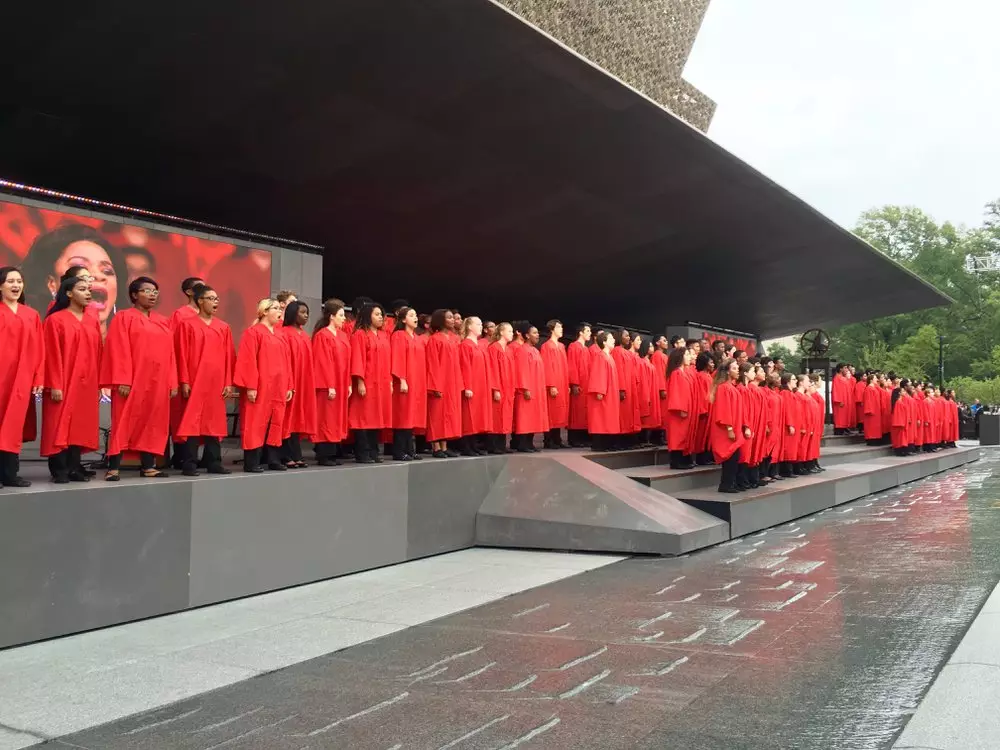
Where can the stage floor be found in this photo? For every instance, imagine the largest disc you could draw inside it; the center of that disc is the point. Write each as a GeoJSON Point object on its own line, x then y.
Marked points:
{"type": "Point", "coordinates": [822, 633]}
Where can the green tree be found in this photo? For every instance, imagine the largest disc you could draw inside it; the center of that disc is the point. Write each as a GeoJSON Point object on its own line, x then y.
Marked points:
{"type": "Point", "coordinates": [918, 356]}
{"type": "Point", "coordinates": [792, 360]}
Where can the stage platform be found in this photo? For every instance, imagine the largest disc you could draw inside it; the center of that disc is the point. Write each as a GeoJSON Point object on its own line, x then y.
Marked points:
{"type": "Point", "coordinates": [82, 556]}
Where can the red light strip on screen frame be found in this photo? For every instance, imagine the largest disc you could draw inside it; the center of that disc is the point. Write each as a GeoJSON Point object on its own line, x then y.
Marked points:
{"type": "Point", "coordinates": [56, 195]}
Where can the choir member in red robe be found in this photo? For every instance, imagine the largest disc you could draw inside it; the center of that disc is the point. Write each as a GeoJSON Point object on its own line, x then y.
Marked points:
{"type": "Point", "coordinates": [530, 412]}
{"type": "Point", "coordinates": [501, 382]}
{"type": "Point", "coordinates": [772, 426]}
{"type": "Point", "coordinates": [70, 402]}
{"type": "Point", "coordinates": [331, 348]}
{"type": "Point", "coordinates": [757, 421]}
{"type": "Point", "coordinates": [902, 418]}
{"type": "Point", "coordinates": [791, 430]}
{"type": "Point", "coordinates": [139, 367]}
{"type": "Point", "coordinates": [860, 385]}
{"type": "Point", "coordinates": [556, 384]}
{"type": "Point", "coordinates": [77, 272]}
{"type": "Point", "coordinates": [652, 419]}
{"type": "Point", "coordinates": [625, 365]}
{"type": "Point", "coordinates": [726, 431]}
{"type": "Point", "coordinates": [818, 410]}
{"type": "Point", "coordinates": [659, 360]}
{"type": "Point", "coordinates": [951, 420]}
{"type": "Point", "coordinates": [603, 395]}
{"type": "Point", "coordinates": [205, 355]}
{"type": "Point", "coordinates": [189, 310]}
{"type": "Point", "coordinates": [477, 410]}
{"type": "Point", "coordinates": [370, 406]}
{"type": "Point", "coordinates": [679, 408]}
{"type": "Point", "coordinates": [891, 383]}
{"type": "Point", "coordinates": [300, 412]}
{"type": "Point", "coordinates": [21, 371]}
{"type": "Point", "coordinates": [489, 328]}
{"type": "Point", "coordinates": [444, 386]}
{"type": "Point", "coordinates": [409, 385]}
{"type": "Point", "coordinates": [578, 362]}
{"type": "Point", "coordinates": [842, 397]}
{"type": "Point", "coordinates": [263, 376]}
{"type": "Point", "coordinates": [871, 409]}
{"type": "Point", "coordinates": [700, 386]}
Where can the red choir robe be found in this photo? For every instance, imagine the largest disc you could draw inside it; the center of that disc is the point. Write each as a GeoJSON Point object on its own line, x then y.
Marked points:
{"type": "Point", "coordinates": [652, 419]}
{"type": "Point", "coordinates": [871, 411]}
{"type": "Point", "coordinates": [790, 429]}
{"type": "Point", "coordinates": [805, 425]}
{"type": "Point", "coordinates": [901, 422]}
{"type": "Point", "coordinates": [603, 415]}
{"type": "Point", "coordinates": [331, 369]}
{"type": "Point", "coordinates": [954, 423]}
{"type": "Point", "coordinates": [556, 376]}
{"type": "Point", "coordinates": [205, 358]}
{"type": "Point", "coordinates": [726, 411]}
{"type": "Point", "coordinates": [679, 410]}
{"type": "Point", "coordinates": [484, 343]}
{"type": "Point", "coordinates": [919, 419]}
{"type": "Point", "coordinates": [625, 366]}
{"type": "Point", "coordinates": [501, 380]}
{"type": "Point", "coordinates": [72, 362]}
{"type": "Point", "coordinates": [660, 368]}
{"type": "Point", "coordinates": [774, 421]}
{"type": "Point", "coordinates": [90, 311]}
{"type": "Point", "coordinates": [371, 360]}
{"type": "Point", "coordinates": [932, 434]}
{"type": "Point", "coordinates": [409, 363]}
{"type": "Point", "coordinates": [860, 386]}
{"type": "Point", "coordinates": [842, 397]}
{"type": "Point", "coordinates": [756, 419]}
{"type": "Point", "coordinates": [477, 412]}
{"type": "Point", "coordinates": [815, 440]}
{"type": "Point", "coordinates": [263, 364]}
{"type": "Point", "coordinates": [701, 383]}
{"type": "Point", "coordinates": [886, 395]}
{"type": "Point", "coordinates": [139, 352]}
{"type": "Point", "coordinates": [645, 393]}
{"type": "Point", "coordinates": [300, 412]}
{"type": "Point", "coordinates": [530, 415]}
{"type": "Point", "coordinates": [578, 362]}
{"type": "Point", "coordinates": [444, 376]}
{"type": "Point", "coordinates": [21, 369]}
{"type": "Point", "coordinates": [177, 317]}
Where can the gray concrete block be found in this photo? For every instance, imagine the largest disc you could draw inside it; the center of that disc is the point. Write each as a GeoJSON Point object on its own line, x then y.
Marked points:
{"type": "Point", "coordinates": [312, 275]}
{"type": "Point", "coordinates": [750, 516]}
{"type": "Point", "coordinates": [981, 644]}
{"type": "Point", "coordinates": [82, 559]}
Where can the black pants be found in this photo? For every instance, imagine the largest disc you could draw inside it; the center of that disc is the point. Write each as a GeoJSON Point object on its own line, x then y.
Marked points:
{"type": "Point", "coordinates": [523, 442]}
{"type": "Point", "coordinates": [147, 461]}
{"type": "Point", "coordinates": [553, 438]}
{"type": "Point", "coordinates": [291, 448]}
{"type": "Point", "coordinates": [65, 462]}
{"type": "Point", "coordinates": [187, 452]}
{"type": "Point", "coordinates": [403, 444]}
{"type": "Point", "coordinates": [252, 457]}
{"type": "Point", "coordinates": [730, 470]}
{"type": "Point", "coordinates": [10, 465]}
{"type": "Point", "coordinates": [365, 445]}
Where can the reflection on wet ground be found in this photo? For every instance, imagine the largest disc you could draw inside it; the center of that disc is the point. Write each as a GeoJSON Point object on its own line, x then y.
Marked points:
{"type": "Point", "coordinates": [823, 633]}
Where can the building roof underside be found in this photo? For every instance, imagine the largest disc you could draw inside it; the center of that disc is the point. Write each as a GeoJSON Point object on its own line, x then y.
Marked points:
{"type": "Point", "coordinates": [440, 150]}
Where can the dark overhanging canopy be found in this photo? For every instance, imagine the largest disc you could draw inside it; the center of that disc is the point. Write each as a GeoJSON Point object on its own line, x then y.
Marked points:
{"type": "Point", "coordinates": [440, 150]}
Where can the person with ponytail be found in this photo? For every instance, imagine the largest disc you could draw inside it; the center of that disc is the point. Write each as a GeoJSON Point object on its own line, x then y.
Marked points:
{"type": "Point", "coordinates": [679, 407]}
{"type": "Point", "coordinates": [902, 418]}
{"type": "Point", "coordinates": [205, 358]}
{"type": "Point", "coordinates": [332, 382]}
{"type": "Point", "coordinates": [726, 431]}
{"type": "Point", "coordinates": [409, 385]}
{"type": "Point", "coordinates": [70, 402]}
{"type": "Point", "coordinates": [500, 369]}
{"type": "Point", "coordinates": [603, 395]}
{"type": "Point", "coordinates": [790, 429]}
{"type": "Point", "coordinates": [263, 373]}
{"type": "Point", "coordinates": [477, 413]}
{"type": "Point", "coordinates": [140, 368]}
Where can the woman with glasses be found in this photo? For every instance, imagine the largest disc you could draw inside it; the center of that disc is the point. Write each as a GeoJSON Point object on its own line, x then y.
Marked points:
{"type": "Point", "coordinates": [138, 366]}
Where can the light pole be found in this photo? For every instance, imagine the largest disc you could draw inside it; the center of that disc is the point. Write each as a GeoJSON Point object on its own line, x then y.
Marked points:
{"type": "Point", "coordinates": [941, 362]}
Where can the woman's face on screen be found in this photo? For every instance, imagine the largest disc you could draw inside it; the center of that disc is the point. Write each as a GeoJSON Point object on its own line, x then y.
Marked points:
{"type": "Point", "coordinates": [104, 282]}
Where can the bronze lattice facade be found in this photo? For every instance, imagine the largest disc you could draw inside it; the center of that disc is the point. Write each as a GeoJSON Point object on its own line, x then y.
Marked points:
{"type": "Point", "coordinates": [645, 43]}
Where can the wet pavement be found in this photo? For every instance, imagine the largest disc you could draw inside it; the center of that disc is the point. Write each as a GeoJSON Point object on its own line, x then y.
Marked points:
{"type": "Point", "coordinates": [823, 633]}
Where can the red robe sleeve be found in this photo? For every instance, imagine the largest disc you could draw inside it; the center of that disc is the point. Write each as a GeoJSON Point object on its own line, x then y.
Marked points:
{"type": "Point", "coordinates": [324, 364]}
{"type": "Point", "coordinates": [465, 354]}
{"type": "Point", "coordinates": [493, 379]}
{"type": "Point", "coordinates": [184, 338]}
{"type": "Point", "coordinates": [724, 410]}
{"type": "Point", "coordinates": [246, 374]}
{"type": "Point", "coordinates": [54, 335]}
{"type": "Point", "coordinates": [398, 342]}
{"type": "Point", "coordinates": [598, 381]}
{"type": "Point", "coordinates": [679, 392]}
{"type": "Point", "coordinates": [116, 367]}
{"type": "Point", "coordinates": [899, 416]}
{"type": "Point", "coordinates": [435, 376]}
{"type": "Point", "coordinates": [523, 380]}
{"type": "Point", "coordinates": [359, 353]}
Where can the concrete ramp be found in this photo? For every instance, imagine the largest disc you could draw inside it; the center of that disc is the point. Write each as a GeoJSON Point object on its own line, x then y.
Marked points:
{"type": "Point", "coordinates": [568, 502]}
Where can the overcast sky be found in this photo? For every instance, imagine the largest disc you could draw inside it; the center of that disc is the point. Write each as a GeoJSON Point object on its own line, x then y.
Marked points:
{"type": "Point", "coordinates": [858, 103]}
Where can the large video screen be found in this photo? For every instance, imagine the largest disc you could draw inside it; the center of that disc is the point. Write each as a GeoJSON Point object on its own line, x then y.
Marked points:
{"type": "Point", "coordinates": [45, 242]}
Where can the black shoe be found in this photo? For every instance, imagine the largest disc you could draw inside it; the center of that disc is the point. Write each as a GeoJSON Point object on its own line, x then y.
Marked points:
{"type": "Point", "coordinates": [277, 467]}
{"type": "Point", "coordinates": [218, 469]}
{"type": "Point", "coordinates": [451, 454]}
{"type": "Point", "coordinates": [253, 469]}
{"type": "Point", "coordinates": [365, 460]}
{"type": "Point", "coordinates": [78, 476]}
{"type": "Point", "coordinates": [404, 457]}
{"type": "Point", "coordinates": [16, 482]}
{"type": "Point", "coordinates": [60, 479]}
{"type": "Point", "coordinates": [729, 490]}
{"type": "Point", "coordinates": [416, 457]}
{"type": "Point", "coordinates": [88, 472]}
{"type": "Point", "coordinates": [440, 454]}
{"type": "Point", "coordinates": [328, 462]}
{"type": "Point", "coordinates": [190, 471]}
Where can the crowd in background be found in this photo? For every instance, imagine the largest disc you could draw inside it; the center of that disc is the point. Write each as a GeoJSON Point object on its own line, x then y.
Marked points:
{"type": "Point", "coordinates": [366, 380]}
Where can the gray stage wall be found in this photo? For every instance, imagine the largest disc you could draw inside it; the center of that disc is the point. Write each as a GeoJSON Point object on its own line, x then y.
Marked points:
{"type": "Point", "coordinates": [78, 558]}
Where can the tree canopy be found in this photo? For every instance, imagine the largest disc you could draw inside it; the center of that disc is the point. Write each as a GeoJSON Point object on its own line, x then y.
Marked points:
{"type": "Point", "coordinates": [970, 327]}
